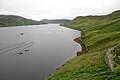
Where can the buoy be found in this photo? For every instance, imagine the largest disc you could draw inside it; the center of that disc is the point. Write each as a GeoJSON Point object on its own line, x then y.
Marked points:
{"type": "Point", "coordinates": [21, 33]}
{"type": "Point", "coordinates": [26, 49]}
{"type": "Point", "coordinates": [20, 52]}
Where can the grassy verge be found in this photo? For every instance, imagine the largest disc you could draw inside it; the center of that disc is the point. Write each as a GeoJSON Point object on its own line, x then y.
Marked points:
{"type": "Point", "coordinates": [100, 34]}
{"type": "Point", "coordinates": [85, 67]}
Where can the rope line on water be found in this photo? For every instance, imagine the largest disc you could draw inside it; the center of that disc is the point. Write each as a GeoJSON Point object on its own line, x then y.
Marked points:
{"type": "Point", "coordinates": [15, 46]}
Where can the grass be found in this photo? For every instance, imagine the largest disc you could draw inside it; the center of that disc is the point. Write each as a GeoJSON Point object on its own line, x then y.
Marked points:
{"type": "Point", "coordinates": [101, 33]}
{"type": "Point", "coordinates": [85, 67]}
{"type": "Point", "coordinates": [116, 60]}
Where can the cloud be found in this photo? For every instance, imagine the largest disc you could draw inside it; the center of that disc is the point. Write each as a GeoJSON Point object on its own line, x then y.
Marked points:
{"type": "Point", "coordinates": [51, 9]}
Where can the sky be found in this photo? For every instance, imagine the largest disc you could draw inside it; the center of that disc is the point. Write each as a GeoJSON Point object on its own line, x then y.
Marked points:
{"type": "Point", "coordinates": [57, 9]}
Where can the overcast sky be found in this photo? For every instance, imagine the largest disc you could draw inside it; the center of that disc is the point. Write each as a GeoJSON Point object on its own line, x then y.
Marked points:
{"type": "Point", "coordinates": [57, 9]}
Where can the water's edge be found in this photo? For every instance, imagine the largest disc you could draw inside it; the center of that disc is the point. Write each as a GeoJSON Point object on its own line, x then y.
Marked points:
{"type": "Point", "coordinates": [77, 40]}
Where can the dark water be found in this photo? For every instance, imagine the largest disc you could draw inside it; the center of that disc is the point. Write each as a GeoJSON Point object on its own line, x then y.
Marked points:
{"type": "Point", "coordinates": [49, 46]}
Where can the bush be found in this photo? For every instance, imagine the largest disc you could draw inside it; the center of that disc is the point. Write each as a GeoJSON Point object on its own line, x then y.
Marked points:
{"type": "Point", "coordinates": [116, 51]}
{"type": "Point", "coordinates": [117, 60]}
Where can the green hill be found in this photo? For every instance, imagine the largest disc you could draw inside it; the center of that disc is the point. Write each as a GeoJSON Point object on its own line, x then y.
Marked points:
{"type": "Point", "coordinates": [55, 21]}
{"type": "Point", "coordinates": [12, 20]}
{"type": "Point", "coordinates": [100, 34]}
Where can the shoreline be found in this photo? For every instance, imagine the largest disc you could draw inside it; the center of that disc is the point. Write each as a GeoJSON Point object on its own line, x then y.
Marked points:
{"type": "Point", "coordinates": [77, 40]}
{"type": "Point", "coordinates": [20, 25]}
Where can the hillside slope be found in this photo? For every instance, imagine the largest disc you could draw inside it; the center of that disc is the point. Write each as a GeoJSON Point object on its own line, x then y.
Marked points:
{"type": "Point", "coordinates": [98, 30]}
{"type": "Point", "coordinates": [12, 20]}
{"type": "Point", "coordinates": [99, 34]}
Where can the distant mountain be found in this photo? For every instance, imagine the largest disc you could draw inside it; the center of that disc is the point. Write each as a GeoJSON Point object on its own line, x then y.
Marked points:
{"type": "Point", "coordinates": [12, 20]}
{"type": "Point", "coordinates": [55, 21]}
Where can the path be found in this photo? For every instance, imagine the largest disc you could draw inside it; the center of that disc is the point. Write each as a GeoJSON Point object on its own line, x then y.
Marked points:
{"type": "Point", "coordinates": [108, 58]}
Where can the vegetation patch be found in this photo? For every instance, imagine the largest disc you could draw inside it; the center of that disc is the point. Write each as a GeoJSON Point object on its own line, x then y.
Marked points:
{"type": "Point", "coordinates": [117, 60]}
{"type": "Point", "coordinates": [116, 52]}
{"type": "Point", "coordinates": [85, 67]}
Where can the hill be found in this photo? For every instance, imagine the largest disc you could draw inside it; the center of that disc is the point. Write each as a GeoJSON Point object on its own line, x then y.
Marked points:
{"type": "Point", "coordinates": [12, 20]}
{"type": "Point", "coordinates": [101, 42]}
{"type": "Point", "coordinates": [55, 21]}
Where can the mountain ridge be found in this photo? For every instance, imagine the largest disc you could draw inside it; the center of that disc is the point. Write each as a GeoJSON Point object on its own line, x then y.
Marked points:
{"type": "Point", "coordinates": [55, 21]}
{"type": "Point", "coordinates": [14, 20]}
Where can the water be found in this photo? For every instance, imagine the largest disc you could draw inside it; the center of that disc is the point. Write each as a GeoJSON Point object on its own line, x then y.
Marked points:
{"type": "Point", "coordinates": [37, 53]}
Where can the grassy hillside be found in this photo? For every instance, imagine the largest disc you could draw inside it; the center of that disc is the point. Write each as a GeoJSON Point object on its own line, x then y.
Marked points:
{"type": "Point", "coordinates": [99, 34]}
{"type": "Point", "coordinates": [11, 20]}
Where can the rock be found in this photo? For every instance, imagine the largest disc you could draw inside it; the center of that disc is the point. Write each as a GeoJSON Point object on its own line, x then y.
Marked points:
{"type": "Point", "coordinates": [79, 53]}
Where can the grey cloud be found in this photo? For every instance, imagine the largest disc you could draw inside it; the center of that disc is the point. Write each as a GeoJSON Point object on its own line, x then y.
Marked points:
{"type": "Point", "coordinates": [39, 9]}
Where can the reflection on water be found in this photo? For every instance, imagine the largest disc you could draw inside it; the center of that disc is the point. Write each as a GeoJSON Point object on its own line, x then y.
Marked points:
{"type": "Point", "coordinates": [33, 52]}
